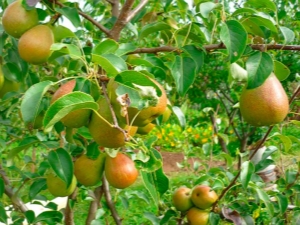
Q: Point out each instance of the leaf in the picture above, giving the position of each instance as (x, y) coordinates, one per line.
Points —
(259, 66)
(24, 144)
(30, 215)
(36, 187)
(69, 49)
(61, 32)
(180, 116)
(263, 164)
(255, 25)
(167, 216)
(12, 72)
(148, 181)
(282, 202)
(286, 141)
(183, 70)
(288, 34)
(93, 150)
(2, 187)
(246, 173)
(153, 28)
(3, 216)
(214, 218)
(196, 54)
(112, 64)
(125, 48)
(258, 4)
(105, 47)
(281, 71)
(62, 164)
(66, 104)
(243, 11)
(206, 8)
(153, 219)
(234, 36)
(237, 72)
(266, 200)
(49, 217)
(32, 100)
(71, 14)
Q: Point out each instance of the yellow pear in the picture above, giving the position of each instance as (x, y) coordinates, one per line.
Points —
(101, 130)
(145, 129)
(1, 78)
(58, 187)
(89, 171)
(16, 20)
(8, 86)
(146, 115)
(76, 118)
(34, 45)
(265, 105)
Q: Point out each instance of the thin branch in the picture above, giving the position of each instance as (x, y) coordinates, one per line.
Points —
(137, 9)
(69, 213)
(110, 203)
(122, 20)
(114, 7)
(98, 192)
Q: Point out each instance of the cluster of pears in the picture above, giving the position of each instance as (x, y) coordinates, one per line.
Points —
(35, 40)
(196, 202)
(101, 127)
(120, 172)
(265, 105)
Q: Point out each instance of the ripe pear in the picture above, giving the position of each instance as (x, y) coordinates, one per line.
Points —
(197, 216)
(181, 199)
(145, 129)
(120, 171)
(143, 117)
(265, 105)
(58, 187)
(9, 86)
(203, 196)
(34, 45)
(89, 171)
(102, 131)
(74, 119)
(17, 20)
(1, 78)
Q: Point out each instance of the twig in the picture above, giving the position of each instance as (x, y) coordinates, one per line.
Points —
(69, 213)
(122, 20)
(109, 202)
(114, 7)
(98, 192)
(137, 9)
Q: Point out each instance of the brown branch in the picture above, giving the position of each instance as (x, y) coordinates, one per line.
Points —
(137, 9)
(114, 7)
(122, 20)
(87, 17)
(215, 47)
(109, 202)
(69, 213)
(98, 192)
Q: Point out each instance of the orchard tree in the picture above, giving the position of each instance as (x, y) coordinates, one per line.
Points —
(82, 82)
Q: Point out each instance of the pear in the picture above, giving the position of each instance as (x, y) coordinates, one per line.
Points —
(102, 131)
(58, 187)
(34, 45)
(17, 20)
(9, 86)
(265, 105)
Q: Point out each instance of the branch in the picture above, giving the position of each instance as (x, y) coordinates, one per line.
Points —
(98, 192)
(121, 21)
(215, 47)
(109, 202)
(69, 213)
(114, 7)
(137, 9)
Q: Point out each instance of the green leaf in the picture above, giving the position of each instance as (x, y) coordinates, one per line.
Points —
(112, 64)
(282, 202)
(180, 116)
(60, 32)
(262, 164)
(196, 54)
(12, 72)
(266, 200)
(30, 215)
(184, 72)
(148, 181)
(288, 34)
(167, 216)
(36, 187)
(93, 150)
(258, 4)
(246, 173)
(238, 73)
(290, 176)
(32, 100)
(66, 104)
(243, 11)
(49, 217)
(234, 36)
(3, 216)
(125, 48)
(214, 218)
(24, 144)
(105, 47)
(71, 14)
(259, 67)
(281, 71)
(2, 187)
(152, 217)
(62, 164)
(153, 28)
(206, 8)
(69, 49)
(286, 141)
(254, 25)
